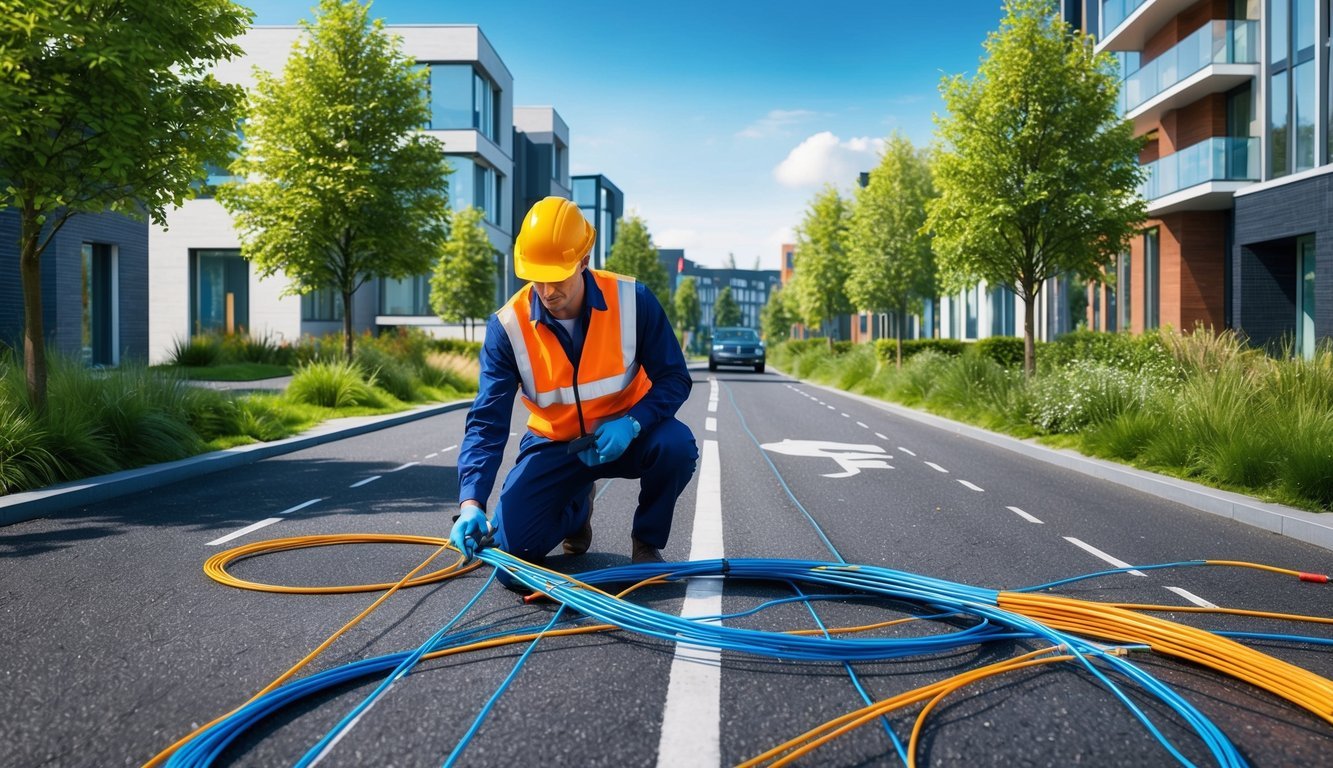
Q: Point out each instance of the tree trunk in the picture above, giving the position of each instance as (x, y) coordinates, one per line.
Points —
(347, 325)
(34, 334)
(1029, 341)
(898, 333)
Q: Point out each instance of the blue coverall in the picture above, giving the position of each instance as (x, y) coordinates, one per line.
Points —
(545, 497)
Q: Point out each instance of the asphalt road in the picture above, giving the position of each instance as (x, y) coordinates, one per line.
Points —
(116, 643)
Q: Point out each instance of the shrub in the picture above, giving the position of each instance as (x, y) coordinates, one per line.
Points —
(244, 348)
(1083, 393)
(1005, 350)
(1306, 470)
(857, 367)
(457, 347)
(25, 461)
(969, 384)
(331, 384)
(1125, 436)
(841, 347)
(917, 379)
(452, 371)
(196, 352)
(392, 374)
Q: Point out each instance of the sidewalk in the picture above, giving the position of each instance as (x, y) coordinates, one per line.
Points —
(28, 505)
(259, 385)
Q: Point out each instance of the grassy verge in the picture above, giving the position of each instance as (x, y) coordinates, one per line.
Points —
(1202, 407)
(99, 422)
(229, 371)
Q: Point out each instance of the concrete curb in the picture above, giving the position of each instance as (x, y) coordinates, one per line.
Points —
(1311, 527)
(28, 505)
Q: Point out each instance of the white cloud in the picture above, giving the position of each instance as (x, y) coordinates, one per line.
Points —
(774, 122)
(824, 159)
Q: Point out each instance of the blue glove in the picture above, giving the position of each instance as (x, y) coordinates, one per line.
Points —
(613, 438)
(469, 529)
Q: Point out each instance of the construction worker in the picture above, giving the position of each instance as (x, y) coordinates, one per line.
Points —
(601, 375)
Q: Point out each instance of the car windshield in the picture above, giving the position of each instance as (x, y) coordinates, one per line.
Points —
(735, 334)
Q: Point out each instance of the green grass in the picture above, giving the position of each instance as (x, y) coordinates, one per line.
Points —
(229, 371)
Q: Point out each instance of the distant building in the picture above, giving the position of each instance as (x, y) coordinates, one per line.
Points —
(749, 287)
(541, 167)
(603, 205)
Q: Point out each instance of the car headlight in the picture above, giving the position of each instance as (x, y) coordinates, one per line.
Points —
(717, 347)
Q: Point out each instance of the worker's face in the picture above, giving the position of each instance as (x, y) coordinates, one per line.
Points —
(565, 298)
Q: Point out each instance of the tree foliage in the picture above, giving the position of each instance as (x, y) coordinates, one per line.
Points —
(340, 187)
(821, 260)
(892, 266)
(726, 312)
(776, 319)
(634, 255)
(688, 309)
(109, 106)
(463, 286)
(1038, 173)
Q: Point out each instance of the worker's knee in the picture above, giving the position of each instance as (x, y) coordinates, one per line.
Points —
(673, 447)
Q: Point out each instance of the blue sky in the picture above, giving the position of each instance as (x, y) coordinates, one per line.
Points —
(719, 119)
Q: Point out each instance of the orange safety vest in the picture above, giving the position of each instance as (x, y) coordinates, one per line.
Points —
(609, 379)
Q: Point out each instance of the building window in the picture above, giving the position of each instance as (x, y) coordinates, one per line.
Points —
(1151, 279)
(1111, 312)
(1124, 270)
(461, 97)
(98, 322)
(409, 296)
(219, 291)
(557, 160)
(1293, 99)
(323, 304)
(1305, 283)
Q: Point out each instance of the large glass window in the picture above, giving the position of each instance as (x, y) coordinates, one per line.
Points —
(219, 291)
(97, 276)
(409, 296)
(1124, 271)
(1152, 267)
(323, 304)
(1305, 106)
(1305, 336)
(1279, 163)
(1293, 99)
(462, 97)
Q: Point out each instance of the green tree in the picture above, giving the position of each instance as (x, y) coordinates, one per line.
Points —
(1039, 173)
(891, 264)
(463, 286)
(776, 319)
(634, 255)
(688, 308)
(340, 186)
(109, 106)
(726, 312)
(821, 260)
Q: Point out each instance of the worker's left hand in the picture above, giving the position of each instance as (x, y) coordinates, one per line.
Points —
(613, 438)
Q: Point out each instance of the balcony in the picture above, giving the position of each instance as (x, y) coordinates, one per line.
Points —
(1213, 59)
(1201, 177)
(1126, 25)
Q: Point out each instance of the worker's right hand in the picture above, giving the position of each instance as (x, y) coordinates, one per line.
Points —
(469, 529)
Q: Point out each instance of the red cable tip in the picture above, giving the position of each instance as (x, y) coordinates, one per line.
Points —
(536, 597)
(1317, 578)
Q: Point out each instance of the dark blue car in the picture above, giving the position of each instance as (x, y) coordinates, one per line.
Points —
(736, 346)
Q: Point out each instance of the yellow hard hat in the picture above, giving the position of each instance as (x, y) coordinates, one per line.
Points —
(553, 239)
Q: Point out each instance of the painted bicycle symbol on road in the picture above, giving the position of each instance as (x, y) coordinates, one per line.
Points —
(852, 457)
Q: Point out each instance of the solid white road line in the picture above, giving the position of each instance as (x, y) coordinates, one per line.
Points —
(691, 721)
(973, 487)
(450, 448)
(432, 455)
(710, 424)
(367, 481)
(931, 464)
(904, 450)
(1098, 553)
(1024, 515)
(1193, 598)
(247, 529)
(404, 466)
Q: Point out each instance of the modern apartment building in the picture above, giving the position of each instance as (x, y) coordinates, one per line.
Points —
(603, 204)
(94, 288)
(198, 280)
(1233, 100)
(749, 287)
(541, 167)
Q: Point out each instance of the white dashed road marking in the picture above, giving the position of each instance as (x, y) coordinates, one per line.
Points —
(904, 450)
(1193, 598)
(1098, 553)
(405, 466)
(973, 487)
(367, 481)
(1024, 515)
(931, 464)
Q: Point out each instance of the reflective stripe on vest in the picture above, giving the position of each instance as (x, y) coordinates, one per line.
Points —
(546, 375)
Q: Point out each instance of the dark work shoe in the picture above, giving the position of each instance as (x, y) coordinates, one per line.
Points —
(645, 553)
(582, 539)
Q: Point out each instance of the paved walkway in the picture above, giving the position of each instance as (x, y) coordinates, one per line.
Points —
(258, 385)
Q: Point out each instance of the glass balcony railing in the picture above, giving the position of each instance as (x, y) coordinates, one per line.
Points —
(1220, 158)
(1114, 12)
(1217, 42)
